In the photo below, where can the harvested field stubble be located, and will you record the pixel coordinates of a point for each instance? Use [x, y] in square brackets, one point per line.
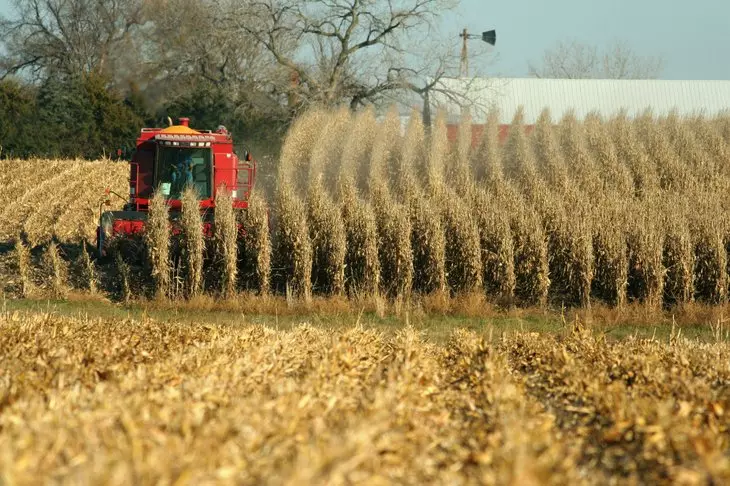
[120, 402]
[575, 212]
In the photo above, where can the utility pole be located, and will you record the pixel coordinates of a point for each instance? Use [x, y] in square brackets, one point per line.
[490, 37]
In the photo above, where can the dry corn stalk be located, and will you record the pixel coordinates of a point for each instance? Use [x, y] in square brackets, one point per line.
[611, 264]
[710, 259]
[225, 228]
[257, 244]
[646, 244]
[22, 257]
[362, 266]
[394, 244]
[59, 270]
[88, 269]
[327, 150]
[576, 154]
[355, 161]
[413, 160]
[517, 156]
[157, 239]
[428, 242]
[328, 237]
[532, 280]
[438, 152]
[497, 247]
[193, 245]
[297, 148]
[487, 164]
[616, 177]
[385, 150]
[547, 153]
[678, 257]
[293, 247]
[459, 170]
[124, 276]
[463, 251]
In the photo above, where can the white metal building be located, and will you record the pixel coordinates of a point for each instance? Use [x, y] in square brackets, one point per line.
[605, 96]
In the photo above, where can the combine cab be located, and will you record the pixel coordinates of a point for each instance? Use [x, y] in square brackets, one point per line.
[170, 159]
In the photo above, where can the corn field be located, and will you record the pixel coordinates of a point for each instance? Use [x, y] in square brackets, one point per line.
[57, 199]
[103, 401]
[572, 212]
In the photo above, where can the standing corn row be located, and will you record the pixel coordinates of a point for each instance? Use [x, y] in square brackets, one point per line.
[497, 248]
[486, 162]
[611, 263]
[225, 234]
[292, 244]
[256, 251]
[429, 247]
[532, 280]
[547, 153]
[327, 234]
[362, 266]
[463, 251]
[394, 248]
[646, 245]
[157, 239]
[193, 245]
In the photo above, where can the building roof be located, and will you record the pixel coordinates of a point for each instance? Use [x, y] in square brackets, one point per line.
[605, 96]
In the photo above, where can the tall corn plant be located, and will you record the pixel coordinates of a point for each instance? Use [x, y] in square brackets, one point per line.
[257, 243]
[293, 248]
[328, 237]
[497, 247]
[487, 162]
[157, 242]
[59, 270]
[362, 267]
[428, 241]
[192, 241]
[226, 240]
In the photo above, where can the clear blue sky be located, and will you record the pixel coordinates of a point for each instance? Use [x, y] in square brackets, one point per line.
[693, 38]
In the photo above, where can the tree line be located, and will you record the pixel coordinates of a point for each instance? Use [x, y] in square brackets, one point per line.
[80, 77]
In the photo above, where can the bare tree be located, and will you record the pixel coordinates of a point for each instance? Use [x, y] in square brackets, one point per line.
[194, 41]
[66, 36]
[573, 60]
[359, 51]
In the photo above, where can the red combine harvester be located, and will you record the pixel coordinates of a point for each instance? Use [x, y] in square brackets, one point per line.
[170, 159]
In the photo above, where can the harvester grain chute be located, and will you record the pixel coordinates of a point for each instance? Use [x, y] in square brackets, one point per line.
[170, 159]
